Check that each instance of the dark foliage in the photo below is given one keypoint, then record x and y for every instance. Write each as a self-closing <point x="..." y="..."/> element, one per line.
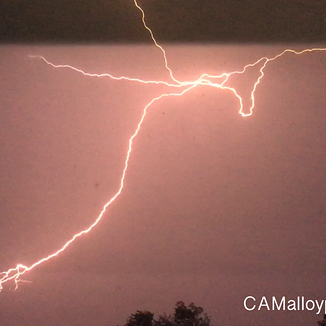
<point x="140" y="318"/>
<point x="322" y="322"/>
<point x="190" y="315"/>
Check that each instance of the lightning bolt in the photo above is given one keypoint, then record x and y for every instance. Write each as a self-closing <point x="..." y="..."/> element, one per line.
<point x="179" y="89"/>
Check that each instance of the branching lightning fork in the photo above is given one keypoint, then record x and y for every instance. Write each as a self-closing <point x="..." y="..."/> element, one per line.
<point x="180" y="88"/>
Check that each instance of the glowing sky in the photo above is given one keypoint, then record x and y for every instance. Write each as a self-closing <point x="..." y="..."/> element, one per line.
<point x="216" y="207"/>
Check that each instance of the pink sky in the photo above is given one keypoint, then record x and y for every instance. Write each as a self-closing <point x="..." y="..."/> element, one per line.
<point x="215" y="206"/>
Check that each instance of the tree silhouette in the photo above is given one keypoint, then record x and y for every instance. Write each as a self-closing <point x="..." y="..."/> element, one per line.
<point x="164" y="320"/>
<point x="190" y="315"/>
<point x="322" y="322"/>
<point x="140" y="318"/>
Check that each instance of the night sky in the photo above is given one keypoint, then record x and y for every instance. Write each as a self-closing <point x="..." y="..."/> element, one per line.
<point x="216" y="207"/>
<point x="177" y="21"/>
